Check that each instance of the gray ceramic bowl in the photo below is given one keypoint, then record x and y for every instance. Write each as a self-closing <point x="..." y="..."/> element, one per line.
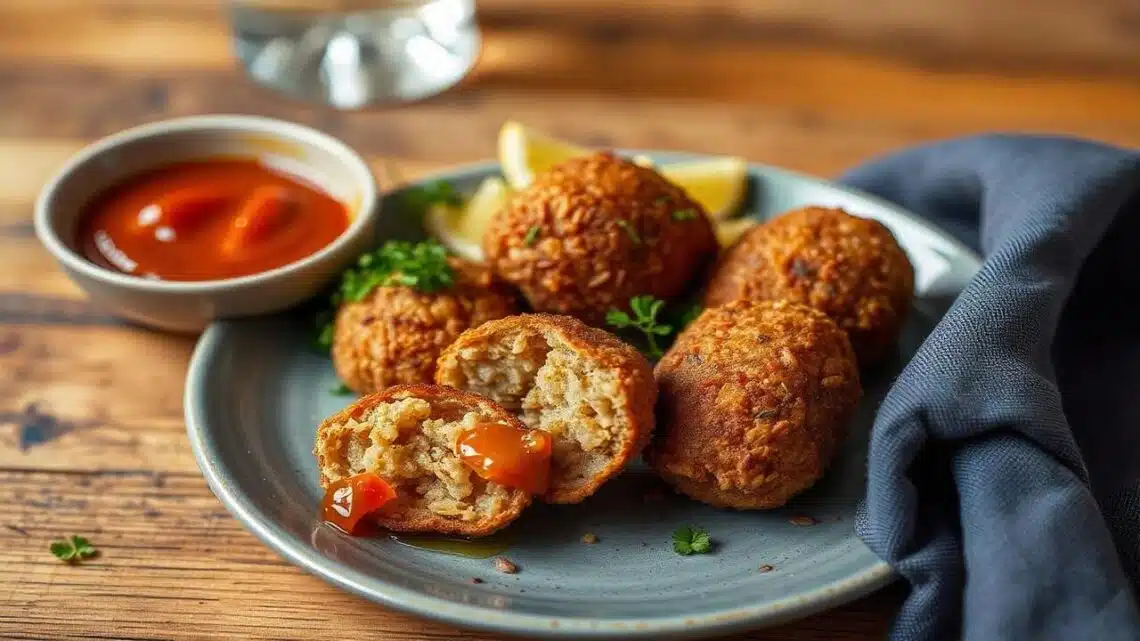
<point x="191" y="306"/>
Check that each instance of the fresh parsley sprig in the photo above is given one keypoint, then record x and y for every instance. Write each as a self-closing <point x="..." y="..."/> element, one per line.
<point x="73" y="550"/>
<point x="689" y="540"/>
<point x="645" y="310"/>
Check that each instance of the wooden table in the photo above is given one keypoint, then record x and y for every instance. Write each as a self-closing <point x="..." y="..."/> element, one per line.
<point x="91" y="430"/>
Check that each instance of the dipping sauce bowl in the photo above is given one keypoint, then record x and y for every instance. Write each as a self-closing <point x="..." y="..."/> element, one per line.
<point x="189" y="306"/>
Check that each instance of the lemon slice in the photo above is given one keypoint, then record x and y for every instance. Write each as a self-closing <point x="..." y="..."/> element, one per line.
<point x="460" y="229"/>
<point x="523" y="153"/>
<point x="718" y="184"/>
<point x="730" y="231"/>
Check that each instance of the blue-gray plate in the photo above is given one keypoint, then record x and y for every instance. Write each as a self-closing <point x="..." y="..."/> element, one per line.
<point x="256" y="391"/>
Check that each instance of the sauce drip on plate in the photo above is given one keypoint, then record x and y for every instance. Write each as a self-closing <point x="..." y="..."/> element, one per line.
<point x="507" y="455"/>
<point x="208" y="220"/>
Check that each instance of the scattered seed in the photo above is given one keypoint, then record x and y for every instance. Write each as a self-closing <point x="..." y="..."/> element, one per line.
<point x="589" y="537"/>
<point x="802" y="520"/>
<point x="504" y="565"/>
<point x="766" y="568"/>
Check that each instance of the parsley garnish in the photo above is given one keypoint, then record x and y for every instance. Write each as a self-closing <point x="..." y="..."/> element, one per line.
<point x="644" y="319"/>
<point x="685" y="214"/>
<point x="531" y="235"/>
<point x="630" y="230"/>
<point x="73" y="550"/>
<point x="340" y="390"/>
<point x="439" y="192"/>
<point x="421" y="266"/>
<point x="691" y="540"/>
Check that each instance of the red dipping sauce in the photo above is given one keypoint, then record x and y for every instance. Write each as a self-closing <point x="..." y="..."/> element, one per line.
<point x="208" y="220"/>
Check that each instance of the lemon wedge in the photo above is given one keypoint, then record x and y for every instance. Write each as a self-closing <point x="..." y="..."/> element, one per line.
<point x="730" y="231"/>
<point x="460" y="229"/>
<point x="524" y="152"/>
<point x="718" y="184"/>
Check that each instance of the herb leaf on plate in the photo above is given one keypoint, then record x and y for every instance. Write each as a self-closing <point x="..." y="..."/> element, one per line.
<point x="689" y="540"/>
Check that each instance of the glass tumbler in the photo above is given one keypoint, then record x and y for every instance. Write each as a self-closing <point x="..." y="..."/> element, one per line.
<point x="351" y="53"/>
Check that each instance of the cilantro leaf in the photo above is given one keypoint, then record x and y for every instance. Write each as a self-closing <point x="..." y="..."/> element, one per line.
<point x="645" y="311"/>
<point x="689" y="540"/>
<point x="531" y="235"/>
<point x="340" y="390"/>
<point x="618" y="318"/>
<point x="684" y="214"/>
<point x="72" y="550"/>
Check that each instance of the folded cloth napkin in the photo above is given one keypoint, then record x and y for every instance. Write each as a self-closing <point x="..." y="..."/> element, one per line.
<point x="1004" y="470"/>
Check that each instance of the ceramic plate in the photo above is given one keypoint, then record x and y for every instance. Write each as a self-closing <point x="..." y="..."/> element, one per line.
<point x="255" y="393"/>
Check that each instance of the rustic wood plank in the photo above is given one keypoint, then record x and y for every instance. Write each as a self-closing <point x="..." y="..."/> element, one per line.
<point x="173" y="563"/>
<point x="81" y="392"/>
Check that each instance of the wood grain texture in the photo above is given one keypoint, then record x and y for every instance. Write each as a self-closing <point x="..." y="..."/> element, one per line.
<point x="91" y="433"/>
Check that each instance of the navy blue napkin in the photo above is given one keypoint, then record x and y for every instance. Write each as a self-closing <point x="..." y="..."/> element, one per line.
<point x="1004" y="471"/>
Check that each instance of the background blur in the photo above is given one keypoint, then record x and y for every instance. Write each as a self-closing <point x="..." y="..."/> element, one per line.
<point x="815" y="85"/>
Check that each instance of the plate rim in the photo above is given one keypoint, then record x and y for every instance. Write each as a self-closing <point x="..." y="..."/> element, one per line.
<point x="875" y="576"/>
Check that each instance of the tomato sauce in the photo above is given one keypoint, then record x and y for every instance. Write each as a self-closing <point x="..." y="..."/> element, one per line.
<point x="208" y="220"/>
<point x="352" y="498"/>
<point x="507" y="455"/>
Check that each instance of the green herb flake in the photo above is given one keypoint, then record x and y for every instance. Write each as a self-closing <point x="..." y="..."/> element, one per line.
<point x="340" y="390"/>
<point x="630" y="231"/>
<point x="73" y="550"/>
<point x="531" y="235"/>
<point x="662" y="200"/>
<point x="689" y="540"/>
<point x="685" y="214"/>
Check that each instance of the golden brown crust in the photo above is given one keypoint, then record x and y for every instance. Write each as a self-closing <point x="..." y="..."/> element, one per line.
<point x="448" y="404"/>
<point x="606" y="231"/>
<point x="755" y="399"/>
<point x="636" y="392"/>
<point x="396" y="334"/>
<point x="848" y="267"/>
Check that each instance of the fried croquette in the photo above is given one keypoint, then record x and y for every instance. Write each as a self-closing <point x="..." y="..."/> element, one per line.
<point x="595" y="231"/>
<point x="755" y="399"/>
<point x="848" y="267"/>
<point x="395" y="334"/>
<point x="593" y="393"/>
<point x="407" y="436"/>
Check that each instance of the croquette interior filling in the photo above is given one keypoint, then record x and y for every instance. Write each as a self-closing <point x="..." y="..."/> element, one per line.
<point x="542" y="380"/>
<point x="403" y="443"/>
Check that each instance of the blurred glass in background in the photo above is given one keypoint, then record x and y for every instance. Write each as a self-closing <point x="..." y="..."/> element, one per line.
<point x="350" y="53"/>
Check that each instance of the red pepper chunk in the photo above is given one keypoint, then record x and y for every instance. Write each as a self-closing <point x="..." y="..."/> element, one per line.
<point x="350" y="499"/>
